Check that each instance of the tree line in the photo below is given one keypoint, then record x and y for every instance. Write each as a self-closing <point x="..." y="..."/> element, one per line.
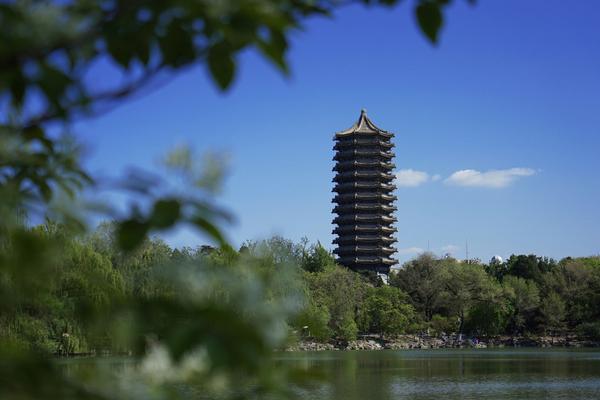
<point x="321" y="301"/>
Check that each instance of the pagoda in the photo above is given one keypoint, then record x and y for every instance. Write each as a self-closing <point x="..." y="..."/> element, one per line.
<point x="364" y="199"/>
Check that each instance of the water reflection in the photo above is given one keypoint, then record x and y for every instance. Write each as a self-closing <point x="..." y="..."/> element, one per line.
<point x="448" y="374"/>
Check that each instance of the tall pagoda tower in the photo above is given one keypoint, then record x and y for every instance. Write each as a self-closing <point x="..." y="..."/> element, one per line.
<point x="364" y="197"/>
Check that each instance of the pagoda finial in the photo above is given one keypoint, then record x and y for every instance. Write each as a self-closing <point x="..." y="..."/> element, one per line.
<point x="364" y="124"/>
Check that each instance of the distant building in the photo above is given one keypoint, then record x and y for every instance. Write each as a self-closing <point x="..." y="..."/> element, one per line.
<point x="496" y="260"/>
<point x="364" y="197"/>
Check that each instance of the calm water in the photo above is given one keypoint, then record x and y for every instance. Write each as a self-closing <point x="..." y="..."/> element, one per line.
<point x="427" y="374"/>
<point x="449" y="374"/>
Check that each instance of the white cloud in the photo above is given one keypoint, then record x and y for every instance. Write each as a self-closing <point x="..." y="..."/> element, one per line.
<point x="497" y="178"/>
<point x="410" y="250"/>
<point x="411" y="178"/>
<point x="436" y="177"/>
<point x="450" y="248"/>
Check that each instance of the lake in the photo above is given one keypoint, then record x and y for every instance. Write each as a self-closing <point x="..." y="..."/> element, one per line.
<point x="449" y="374"/>
<point x="476" y="374"/>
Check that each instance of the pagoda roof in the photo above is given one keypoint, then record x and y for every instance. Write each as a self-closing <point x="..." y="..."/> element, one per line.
<point x="363" y="125"/>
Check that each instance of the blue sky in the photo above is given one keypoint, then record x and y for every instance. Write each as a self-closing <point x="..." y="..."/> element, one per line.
<point x="512" y="88"/>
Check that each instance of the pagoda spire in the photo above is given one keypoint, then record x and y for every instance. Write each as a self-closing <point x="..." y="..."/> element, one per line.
<point x="364" y="124"/>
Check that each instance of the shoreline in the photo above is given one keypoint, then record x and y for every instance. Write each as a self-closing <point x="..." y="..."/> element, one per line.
<point x="407" y="342"/>
<point x="410" y="342"/>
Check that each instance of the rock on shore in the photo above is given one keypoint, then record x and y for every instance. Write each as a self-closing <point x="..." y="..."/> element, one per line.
<point x="444" y="342"/>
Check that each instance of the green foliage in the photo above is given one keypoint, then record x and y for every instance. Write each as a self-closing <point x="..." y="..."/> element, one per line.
<point x="429" y="16"/>
<point x="317" y="259"/>
<point x="99" y="298"/>
<point x="440" y="324"/>
<point x="29" y="332"/>
<point x="421" y="279"/>
<point x="592" y="263"/>
<point x="523" y="297"/>
<point x="577" y="282"/>
<point x="387" y="311"/>
<point x="347" y="328"/>
<point x="528" y="267"/>
<point x="590" y="330"/>
<point x="487" y="319"/>
<point x="313" y="322"/>
<point x="553" y="312"/>
<point x="342" y="292"/>
<point x="526" y="294"/>
<point x="466" y="286"/>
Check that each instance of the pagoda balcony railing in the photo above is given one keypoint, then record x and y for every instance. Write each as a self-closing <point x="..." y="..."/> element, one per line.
<point x="364" y="228"/>
<point x="353" y="186"/>
<point x="360" y="255"/>
<point x="345" y="144"/>
<point x="358" y="228"/>
<point x="364" y="218"/>
<point x="366" y="154"/>
<point x="367" y="260"/>
<point x="355" y="175"/>
<point x="364" y="196"/>
<point x="356" y="165"/>
<point x="364" y="207"/>
<point x="362" y="239"/>
<point x="376" y="250"/>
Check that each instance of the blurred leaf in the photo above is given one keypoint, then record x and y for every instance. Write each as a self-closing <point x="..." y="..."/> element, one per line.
<point x="179" y="159"/>
<point x="45" y="190"/>
<point x="119" y="48"/>
<point x="18" y="88"/>
<point x="177" y="46"/>
<point x="131" y="233"/>
<point x="430" y="19"/>
<point x="54" y="83"/>
<point x="275" y="48"/>
<point x="165" y="213"/>
<point x="209" y="228"/>
<point x="221" y="64"/>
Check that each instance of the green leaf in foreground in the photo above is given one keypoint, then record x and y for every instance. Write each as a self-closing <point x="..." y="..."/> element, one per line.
<point x="131" y="233"/>
<point x="165" y="213"/>
<point x="430" y="19"/>
<point x="221" y="65"/>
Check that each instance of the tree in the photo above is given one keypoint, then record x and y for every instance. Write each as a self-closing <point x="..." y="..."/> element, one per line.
<point x="552" y="312"/>
<point x="313" y="321"/>
<point x="388" y="311"/>
<point x="577" y="282"/>
<point x="524" y="299"/>
<point x="421" y="280"/>
<point x="529" y="266"/>
<point x="487" y="318"/>
<point x="465" y="286"/>
<point x="317" y="259"/>
<point x="347" y="328"/>
<point x="441" y="324"/>
<point x="342" y="292"/>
